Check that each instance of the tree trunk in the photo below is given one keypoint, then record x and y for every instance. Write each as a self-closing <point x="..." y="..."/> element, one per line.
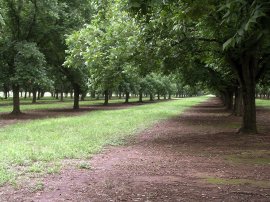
<point x="151" y="97"/>
<point x="248" y="85"/>
<point x="127" y="97"/>
<point x="238" y="102"/>
<point x="16" y="100"/>
<point x="106" y="99"/>
<point x="38" y="93"/>
<point x="229" y="99"/>
<point x="83" y="96"/>
<point x="34" y="99"/>
<point x="93" y="94"/>
<point x="25" y="94"/>
<point x="158" y="96"/>
<point x="140" y="96"/>
<point x="76" y="88"/>
<point x="62" y="96"/>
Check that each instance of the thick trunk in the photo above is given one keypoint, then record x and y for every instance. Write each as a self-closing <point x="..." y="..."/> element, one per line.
<point x="229" y="99"/>
<point x="238" y="102"/>
<point x="106" y="97"/>
<point x="151" y="97"/>
<point x="127" y="97"/>
<point x="34" y="99"/>
<point x="158" y="96"/>
<point x="16" y="100"/>
<point x="76" y="99"/>
<point x="248" y="91"/>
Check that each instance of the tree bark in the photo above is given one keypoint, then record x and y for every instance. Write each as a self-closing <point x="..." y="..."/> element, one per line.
<point x="140" y="96"/>
<point x="127" y="97"/>
<point x="76" y="88"/>
<point x="248" y="85"/>
<point x="238" y="102"/>
<point x="62" y="96"/>
<point x="16" y="100"/>
<point x="106" y="99"/>
<point x="151" y="97"/>
<point x="34" y="99"/>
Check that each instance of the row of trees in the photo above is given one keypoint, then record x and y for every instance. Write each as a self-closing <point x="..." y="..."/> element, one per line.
<point x="105" y="55"/>
<point x="113" y="45"/>
<point x="222" y="44"/>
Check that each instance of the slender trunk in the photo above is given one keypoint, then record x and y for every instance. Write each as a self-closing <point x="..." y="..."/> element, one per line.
<point x="29" y="95"/>
<point x="16" y="100"/>
<point x="106" y="99"/>
<point x="25" y="94"/>
<point x="56" y="95"/>
<point x="158" y="95"/>
<point x="34" y="99"/>
<point x="62" y="96"/>
<point x="127" y="97"/>
<point x="38" y="93"/>
<point x="140" y="96"/>
<point x="83" y="96"/>
<point x="93" y="94"/>
<point x="76" y="88"/>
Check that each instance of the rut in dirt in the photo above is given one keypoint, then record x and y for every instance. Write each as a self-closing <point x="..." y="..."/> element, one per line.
<point x="167" y="162"/>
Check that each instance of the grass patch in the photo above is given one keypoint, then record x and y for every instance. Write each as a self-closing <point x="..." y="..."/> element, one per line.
<point x="258" y="157"/>
<point x="263" y="103"/>
<point x="47" y="103"/>
<point x="84" y="165"/>
<point x="223" y="181"/>
<point x="50" y="140"/>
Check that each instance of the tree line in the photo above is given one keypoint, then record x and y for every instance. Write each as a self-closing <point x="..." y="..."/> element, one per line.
<point x="146" y="47"/>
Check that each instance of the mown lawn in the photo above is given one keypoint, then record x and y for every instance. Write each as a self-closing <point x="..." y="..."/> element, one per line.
<point x="36" y="145"/>
<point x="48" y="103"/>
<point x="263" y="103"/>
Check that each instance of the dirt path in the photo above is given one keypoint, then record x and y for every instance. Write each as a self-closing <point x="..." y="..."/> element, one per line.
<point x="173" y="161"/>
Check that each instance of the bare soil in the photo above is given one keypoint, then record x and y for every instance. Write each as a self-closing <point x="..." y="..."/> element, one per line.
<point x="170" y="161"/>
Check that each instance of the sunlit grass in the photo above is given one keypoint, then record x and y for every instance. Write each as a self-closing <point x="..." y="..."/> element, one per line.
<point x="50" y="140"/>
<point x="263" y="103"/>
<point x="48" y="103"/>
<point x="227" y="181"/>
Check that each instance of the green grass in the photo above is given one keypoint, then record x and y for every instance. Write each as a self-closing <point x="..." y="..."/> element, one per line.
<point x="257" y="157"/>
<point x="48" y="103"/>
<point x="263" y="103"/>
<point x="50" y="140"/>
<point x="223" y="181"/>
